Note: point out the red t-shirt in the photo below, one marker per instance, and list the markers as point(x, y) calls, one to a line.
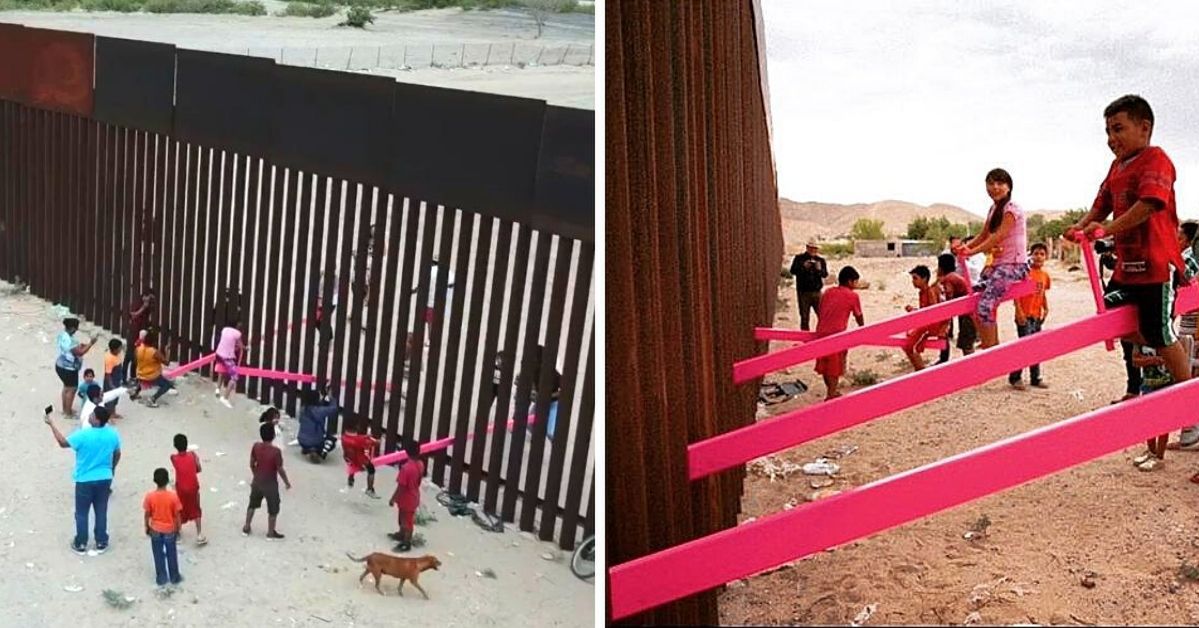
point(953, 286)
point(931, 296)
point(357, 447)
point(187, 479)
point(1145, 252)
point(836, 304)
point(269, 461)
point(408, 480)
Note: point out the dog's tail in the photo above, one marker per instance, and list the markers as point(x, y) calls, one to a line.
point(357, 560)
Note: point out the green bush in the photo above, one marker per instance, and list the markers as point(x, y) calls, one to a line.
point(122, 6)
point(836, 250)
point(358, 17)
point(305, 9)
point(254, 7)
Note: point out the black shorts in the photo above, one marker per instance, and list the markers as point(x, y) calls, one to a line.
point(70, 378)
point(1155, 309)
point(967, 334)
point(271, 495)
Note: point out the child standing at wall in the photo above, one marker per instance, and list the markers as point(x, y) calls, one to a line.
point(917, 338)
point(187, 484)
point(406, 498)
point(162, 508)
point(357, 446)
point(1030, 314)
point(832, 317)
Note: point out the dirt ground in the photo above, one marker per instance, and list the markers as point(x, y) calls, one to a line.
point(565, 85)
point(1129, 531)
point(304, 580)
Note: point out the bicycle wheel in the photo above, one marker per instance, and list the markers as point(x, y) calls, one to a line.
point(582, 563)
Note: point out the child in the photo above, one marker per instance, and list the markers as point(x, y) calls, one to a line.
point(952, 286)
point(929, 295)
point(229, 352)
point(836, 304)
point(1030, 315)
point(89, 380)
point(187, 484)
point(357, 446)
point(150, 362)
point(270, 415)
point(1154, 376)
point(314, 438)
point(1188, 325)
point(96, 399)
point(1138, 192)
point(406, 498)
point(162, 508)
point(266, 463)
point(114, 375)
point(1004, 236)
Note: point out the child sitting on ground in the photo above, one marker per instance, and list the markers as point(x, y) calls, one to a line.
point(1030, 314)
point(162, 508)
point(1154, 376)
point(357, 446)
point(836, 304)
point(406, 498)
point(917, 338)
point(89, 380)
point(187, 484)
point(114, 375)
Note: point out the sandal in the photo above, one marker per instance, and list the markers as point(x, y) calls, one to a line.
point(201, 541)
point(1151, 464)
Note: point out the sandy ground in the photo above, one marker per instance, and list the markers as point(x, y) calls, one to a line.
point(295, 40)
point(304, 580)
point(1132, 530)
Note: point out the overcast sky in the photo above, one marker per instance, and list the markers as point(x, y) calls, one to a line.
point(871, 102)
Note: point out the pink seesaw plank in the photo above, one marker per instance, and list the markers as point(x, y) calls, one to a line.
point(190, 366)
point(780, 538)
point(811, 422)
point(1088, 255)
point(751, 368)
point(250, 371)
point(798, 335)
point(437, 445)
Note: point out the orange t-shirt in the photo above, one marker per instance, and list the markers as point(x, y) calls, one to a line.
point(1033, 305)
point(162, 505)
point(110, 362)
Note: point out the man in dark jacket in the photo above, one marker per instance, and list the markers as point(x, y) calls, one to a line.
point(809, 270)
point(314, 438)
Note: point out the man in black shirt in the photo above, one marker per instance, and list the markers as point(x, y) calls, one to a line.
point(809, 270)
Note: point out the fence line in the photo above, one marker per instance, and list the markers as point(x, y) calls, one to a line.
point(426, 55)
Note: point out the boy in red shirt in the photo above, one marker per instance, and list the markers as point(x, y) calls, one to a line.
point(953, 286)
point(836, 304)
point(1138, 193)
point(357, 446)
point(917, 338)
point(187, 484)
point(406, 498)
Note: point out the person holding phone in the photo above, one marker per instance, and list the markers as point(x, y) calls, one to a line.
point(97, 452)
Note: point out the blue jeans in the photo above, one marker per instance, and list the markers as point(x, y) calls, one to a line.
point(91, 495)
point(166, 560)
point(1030, 326)
point(163, 384)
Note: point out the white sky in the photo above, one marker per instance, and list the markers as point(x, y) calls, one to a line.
point(916, 101)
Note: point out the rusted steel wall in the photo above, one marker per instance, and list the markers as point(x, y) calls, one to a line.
point(693, 243)
point(150, 180)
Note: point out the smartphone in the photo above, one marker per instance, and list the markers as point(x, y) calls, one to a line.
point(49, 409)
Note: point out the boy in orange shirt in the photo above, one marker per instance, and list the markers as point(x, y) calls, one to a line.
point(917, 338)
point(114, 375)
point(1030, 314)
point(163, 521)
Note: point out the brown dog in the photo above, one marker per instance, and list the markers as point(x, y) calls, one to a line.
point(378, 563)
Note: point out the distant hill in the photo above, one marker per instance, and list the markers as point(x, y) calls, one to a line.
point(830, 220)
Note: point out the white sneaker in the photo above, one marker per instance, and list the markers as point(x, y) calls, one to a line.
point(217, 391)
point(225, 402)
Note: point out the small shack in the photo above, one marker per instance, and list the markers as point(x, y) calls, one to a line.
point(895, 247)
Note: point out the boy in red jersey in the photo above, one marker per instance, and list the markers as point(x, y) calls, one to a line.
point(357, 446)
point(836, 304)
point(187, 484)
point(1138, 193)
point(406, 498)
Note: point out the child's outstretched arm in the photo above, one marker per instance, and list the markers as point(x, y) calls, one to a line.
point(197, 459)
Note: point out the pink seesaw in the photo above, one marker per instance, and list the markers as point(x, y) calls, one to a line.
point(804, 424)
point(780, 538)
point(758, 366)
point(438, 445)
point(1088, 256)
point(798, 335)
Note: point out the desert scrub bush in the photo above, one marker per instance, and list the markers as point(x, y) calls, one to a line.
point(254, 7)
point(864, 378)
point(308, 9)
point(121, 6)
point(358, 17)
